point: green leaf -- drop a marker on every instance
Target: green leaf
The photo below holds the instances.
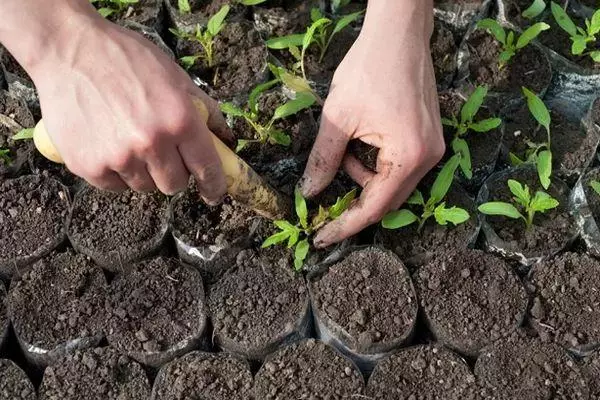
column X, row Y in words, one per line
column 251, row 2
column 24, row 134
column 320, row 218
column 301, row 102
column 510, row 39
column 285, row 225
column 505, row 56
column 579, row 45
column 594, row 184
column 342, row 204
column 398, row 219
column 535, row 9
column 345, row 21
column 300, row 254
column 310, row 33
column 301, row 210
column 277, row 136
column 276, row 239
column 295, row 53
column 460, row 146
column 444, row 179
column 253, row 97
column 520, row 192
column 179, row 34
column 486, row 125
column 595, row 23
column 531, row 33
column 563, row 20
column 537, row 108
column 188, row 61
column 232, row 109
column 336, row 5
column 473, row 103
column 542, row 202
column 241, row 144
column 449, row 122
column 514, row 160
column 106, row 12
column 285, row 42
column 416, row 198
column 500, row 208
column 595, row 55
column 5, row 156
column 454, row 215
column 295, row 83
column 184, row 6
column 215, row 23
column 315, row 14
column 494, row 28
column 544, row 167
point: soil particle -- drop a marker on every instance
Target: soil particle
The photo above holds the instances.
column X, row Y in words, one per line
column 116, row 228
column 258, row 304
column 567, row 295
column 308, row 369
column 32, row 214
column 365, row 153
column 591, row 370
column 59, row 300
column 470, row 299
column 443, row 52
column 593, row 198
column 367, row 300
column 529, row 67
column 95, row 374
column 292, row 17
column 156, row 307
column 14, row 116
column 14, row 384
column 426, row 372
column 518, row 367
column 4, row 321
column 207, row 376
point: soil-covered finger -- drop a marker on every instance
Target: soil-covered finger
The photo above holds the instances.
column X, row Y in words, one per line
column 14, row 383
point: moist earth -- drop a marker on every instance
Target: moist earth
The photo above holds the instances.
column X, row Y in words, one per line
column 14, row 384
column 591, row 370
column 14, row 116
column 444, row 47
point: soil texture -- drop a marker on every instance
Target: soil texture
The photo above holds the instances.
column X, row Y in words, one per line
column 145, row 12
column 293, row 16
column 202, row 10
column 591, row 370
column 14, row 384
column 14, row 116
column 308, row 369
column 444, row 48
column 4, row 320
column 593, row 198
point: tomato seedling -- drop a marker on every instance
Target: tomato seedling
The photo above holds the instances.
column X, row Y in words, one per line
column 580, row 37
column 185, row 7
column 540, row 202
column 465, row 124
column 5, row 156
column 536, row 8
column 110, row 7
column 298, row 234
column 507, row 40
column 434, row 207
column 595, row 185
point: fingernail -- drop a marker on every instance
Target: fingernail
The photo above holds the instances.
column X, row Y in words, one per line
column 322, row 238
column 213, row 202
column 304, row 186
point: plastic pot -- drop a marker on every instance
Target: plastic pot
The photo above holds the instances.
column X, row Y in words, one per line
column 583, row 201
column 460, row 14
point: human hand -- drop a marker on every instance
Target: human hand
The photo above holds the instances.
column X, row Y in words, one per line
column 383, row 93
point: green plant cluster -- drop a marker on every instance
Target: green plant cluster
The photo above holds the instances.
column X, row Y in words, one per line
column 110, row 7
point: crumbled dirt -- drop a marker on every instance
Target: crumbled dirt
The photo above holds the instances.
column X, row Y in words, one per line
column 14, row 115
column 145, row 12
column 40, row 165
column 115, row 228
column 591, row 369
column 322, row 72
column 518, row 367
column 529, row 67
column 424, row 372
column 208, row 376
column 550, row 232
column 32, row 214
column 4, row 321
column 307, row 370
column 14, row 384
column 291, row 17
column 207, row 8
column 365, row 153
column 367, row 300
column 61, row 299
column 444, row 47
column 258, row 304
column 515, row 8
column 470, row 299
column 593, row 198
column 567, row 294
column 155, row 306
column 95, row 374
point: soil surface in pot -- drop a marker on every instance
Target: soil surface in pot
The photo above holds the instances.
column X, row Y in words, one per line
column 145, row 12
column 95, row 374
column 14, row 384
column 593, row 198
column 293, row 16
column 421, row 372
column 32, row 214
column 307, row 369
column 550, row 232
column 417, row 248
column 60, row 299
column 4, row 321
column 40, row 165
column 567, row 294
column 529, row 67
column 367, row 300
column 204, row 9
column 591, row 369
column 470, row 299
column 14, row 115
column 514, row 10
column 109, row 224
column 204, row 376
column 444, row 47
column 258, row 303
column 155, row 306
column 518, row 367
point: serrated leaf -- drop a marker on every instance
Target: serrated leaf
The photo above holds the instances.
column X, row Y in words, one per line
column 232, row 109
column 444, row 179
column 416, row 198
column 285, row 42
column 531, row 33
column 300, row 254
column 301, row 102
column 544, row 167
column 455, row 215
column 184, row 6
column 24, row 134
column 520, row 192
column 277, row 136
column 398, row 219
column 500, row 208
column 277, row 238
column 460, row 146
column 253, row 97
column 535, row 9
column 301, row 210
column 473, row 103
column 562, row 19
column 494, row 28
column 345, row 21
column 537, row 108
column 543, row 202
column 486, row 125
column 215, row 23
column 342, row 204
column 594, row 184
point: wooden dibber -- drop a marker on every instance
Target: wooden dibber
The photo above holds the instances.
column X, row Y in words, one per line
column 243, row 183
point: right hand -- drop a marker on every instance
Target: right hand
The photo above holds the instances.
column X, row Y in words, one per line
column 119, row 112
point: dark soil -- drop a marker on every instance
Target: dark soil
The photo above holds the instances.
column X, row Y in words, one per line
column 40, row 165
column 425, row 372
column 207, row 376
column 291, row 17
column 14, row 384
column 145, row 12
column 58, row 301
column 307, row 370
column 366, row 300
column 95, row 374
column 4, row 321
column 204, row 9
column 32, row 214
column 525, row 368
column 590, row 3
column 591, row 370
column 529, row 67
column 417, row 248
column 240, row 57
column 565, row 306
column 365, row 153
column 259, row 304
column 514, row 9
column 116, row 228
column 470, row 299
column 593, row 198
column 155, row 307
column 444, row 47
column 14, row 116
column 551, row 231
column 595, row 112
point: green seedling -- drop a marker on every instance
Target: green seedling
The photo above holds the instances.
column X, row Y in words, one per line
column 594, row 184
column 536, row 8
column 540, row 202
column 297, row 235
column 509, row 46
column 5, row 156
column 337, row 5
column 580, row 37
column 185, row 8
column 24, row 134
column 205, row 37
column 539, row 154
column 435, row 206
column 110, row 7
column 294, row 82
column 267, row 132
column 465, row 124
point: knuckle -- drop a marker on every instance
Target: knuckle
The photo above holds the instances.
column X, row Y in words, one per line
column 120, row 161
column 173, row 187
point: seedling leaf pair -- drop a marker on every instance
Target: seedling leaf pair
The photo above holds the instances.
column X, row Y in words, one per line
column 580, row 37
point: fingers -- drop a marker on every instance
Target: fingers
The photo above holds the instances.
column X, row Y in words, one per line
column 110, row 181
column 357, row 171
column 216, row 121
column 168, row 171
